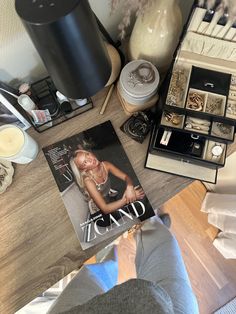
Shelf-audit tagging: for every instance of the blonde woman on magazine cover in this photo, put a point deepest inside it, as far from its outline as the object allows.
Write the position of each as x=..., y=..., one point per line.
x=95, y=182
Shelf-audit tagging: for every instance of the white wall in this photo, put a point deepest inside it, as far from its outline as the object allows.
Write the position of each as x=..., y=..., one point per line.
x=19, y=59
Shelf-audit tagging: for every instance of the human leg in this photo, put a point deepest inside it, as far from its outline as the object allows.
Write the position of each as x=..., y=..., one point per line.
x=158, y=259
x=90, y=281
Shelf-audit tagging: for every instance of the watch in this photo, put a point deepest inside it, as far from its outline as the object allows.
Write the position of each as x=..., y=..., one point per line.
x=216, y=151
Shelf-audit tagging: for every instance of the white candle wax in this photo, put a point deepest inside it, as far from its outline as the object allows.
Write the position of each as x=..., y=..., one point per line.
x=16, y=145
x=11, y=142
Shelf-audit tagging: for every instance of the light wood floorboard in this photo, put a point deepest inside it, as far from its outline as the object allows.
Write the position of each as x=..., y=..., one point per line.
x=213, y=277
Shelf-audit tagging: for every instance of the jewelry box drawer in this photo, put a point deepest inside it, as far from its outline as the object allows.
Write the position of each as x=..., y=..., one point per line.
x=222, y=131
x=195, y=149
x=161, y=161
x=210, y=81
x=204, y=92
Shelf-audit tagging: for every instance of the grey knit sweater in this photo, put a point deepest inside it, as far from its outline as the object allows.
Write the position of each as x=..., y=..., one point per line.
x=135, y=296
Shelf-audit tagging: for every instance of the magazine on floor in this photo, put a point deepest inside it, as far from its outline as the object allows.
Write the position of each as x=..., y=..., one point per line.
x=97, y=183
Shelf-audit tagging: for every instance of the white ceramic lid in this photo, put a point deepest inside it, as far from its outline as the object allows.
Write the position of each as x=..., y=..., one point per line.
x=131, y=100
x=139, y=79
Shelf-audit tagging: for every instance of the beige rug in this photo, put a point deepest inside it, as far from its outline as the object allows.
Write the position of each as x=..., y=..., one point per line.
x=228, y=308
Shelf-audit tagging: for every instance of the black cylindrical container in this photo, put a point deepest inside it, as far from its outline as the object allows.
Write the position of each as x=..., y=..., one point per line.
x=67, y=37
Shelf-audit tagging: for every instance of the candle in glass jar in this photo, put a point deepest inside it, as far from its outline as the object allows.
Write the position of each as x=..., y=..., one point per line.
x=11, y=141
x=16, y=145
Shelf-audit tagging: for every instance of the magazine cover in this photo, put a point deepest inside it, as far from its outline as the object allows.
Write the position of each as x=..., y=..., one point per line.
x=97, y=183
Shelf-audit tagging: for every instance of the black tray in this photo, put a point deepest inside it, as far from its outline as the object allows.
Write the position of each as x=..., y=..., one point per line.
x=44, y=95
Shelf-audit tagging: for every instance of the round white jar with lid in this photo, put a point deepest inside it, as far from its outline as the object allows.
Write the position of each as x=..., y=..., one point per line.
x=138, y=82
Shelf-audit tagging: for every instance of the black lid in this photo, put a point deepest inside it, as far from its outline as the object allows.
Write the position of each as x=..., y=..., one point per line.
x=44, y=11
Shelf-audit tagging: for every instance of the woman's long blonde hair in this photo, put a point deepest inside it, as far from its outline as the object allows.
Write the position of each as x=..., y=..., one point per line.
x=78, y=174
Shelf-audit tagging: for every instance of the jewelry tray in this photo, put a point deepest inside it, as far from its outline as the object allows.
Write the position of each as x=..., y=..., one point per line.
x=205, y=92
x=179, y=165
x=213, y=129
x=44, y=95
x=197, y=149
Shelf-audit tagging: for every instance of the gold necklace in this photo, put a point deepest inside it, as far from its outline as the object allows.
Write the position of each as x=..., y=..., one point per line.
x=97, y=175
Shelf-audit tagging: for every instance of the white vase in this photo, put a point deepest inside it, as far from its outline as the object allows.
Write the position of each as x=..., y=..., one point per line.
x=156, y=34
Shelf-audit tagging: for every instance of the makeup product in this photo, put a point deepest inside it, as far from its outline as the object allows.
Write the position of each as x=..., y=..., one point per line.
x=48, y=102
x=41, y=116
x=80, y=102
x=26, y=102
x=25, y=89
x=23, y=100
x=66, y=107
x=61, y=97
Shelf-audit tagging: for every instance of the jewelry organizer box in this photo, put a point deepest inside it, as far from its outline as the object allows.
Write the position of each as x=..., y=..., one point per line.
x=198, y=100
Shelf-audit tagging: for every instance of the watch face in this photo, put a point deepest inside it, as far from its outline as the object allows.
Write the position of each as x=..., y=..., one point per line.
x=217, y=150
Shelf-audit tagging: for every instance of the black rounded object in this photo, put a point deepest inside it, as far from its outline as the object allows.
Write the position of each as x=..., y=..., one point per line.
x=66, y=35
x=66, y=107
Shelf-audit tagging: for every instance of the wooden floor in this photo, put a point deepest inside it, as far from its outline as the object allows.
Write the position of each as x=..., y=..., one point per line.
x=213, y=278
